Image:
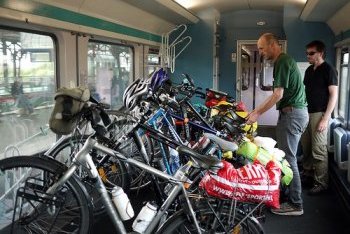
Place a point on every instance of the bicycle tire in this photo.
(181, 223)
(123, 123)
(27, 178)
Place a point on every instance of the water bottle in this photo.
(181, 174)
(122, 203)
(145, 217)
(174, 160)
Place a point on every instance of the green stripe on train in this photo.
(45, 10)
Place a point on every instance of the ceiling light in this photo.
(261, 23)
(185, 3)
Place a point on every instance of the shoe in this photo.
(317, 189)
(287, 208)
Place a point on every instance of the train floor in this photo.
(323, 214)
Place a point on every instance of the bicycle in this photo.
(47, 191)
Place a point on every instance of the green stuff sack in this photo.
(68, 103)
(287, 171)
(253, 152)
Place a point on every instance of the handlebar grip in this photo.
(93, 100)
(174, 105)
(189, 79)
(200, 94)
(104, 105)
(100, 104)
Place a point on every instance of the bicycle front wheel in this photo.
(25, 207)
(113, 172)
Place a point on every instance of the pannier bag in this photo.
(68, 103)
(250, 183)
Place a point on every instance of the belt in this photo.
(287, 109)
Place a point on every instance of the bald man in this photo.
(290, 99)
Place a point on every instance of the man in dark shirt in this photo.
(321, 93)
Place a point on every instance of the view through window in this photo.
(27, 86)
(110, 71)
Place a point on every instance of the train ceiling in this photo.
(310, 10)
(159, 16)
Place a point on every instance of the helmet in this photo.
(157, 79)
(133, 93)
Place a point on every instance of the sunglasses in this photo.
(311, 53)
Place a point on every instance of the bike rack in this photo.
(167, 51)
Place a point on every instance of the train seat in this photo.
(333, 124)
(341, 139)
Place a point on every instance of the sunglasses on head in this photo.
(311, 53)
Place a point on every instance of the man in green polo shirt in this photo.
(290, 99)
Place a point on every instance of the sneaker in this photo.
(287, 208)
(317, 189)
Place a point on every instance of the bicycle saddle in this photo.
(204, 161)
(225, 145)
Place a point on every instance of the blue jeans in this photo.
(290, 127)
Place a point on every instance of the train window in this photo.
(343, 83)
(110, 70)
(266, 76)
(245, 70)
(152, 60)
(27, 85)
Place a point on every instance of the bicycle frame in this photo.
(83, 158)
(164, 115)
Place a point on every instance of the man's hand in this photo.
(252, 117)
(322, 125)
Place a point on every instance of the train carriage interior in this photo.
(192, 59)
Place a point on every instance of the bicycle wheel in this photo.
(112, 172)
(122, 125)
(25, 207)
(180, 222)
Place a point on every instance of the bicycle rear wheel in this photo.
(25, 207)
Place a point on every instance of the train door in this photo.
(254, 79)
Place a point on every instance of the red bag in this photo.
(250, 183)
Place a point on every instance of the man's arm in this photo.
(333, 95)
(266, 105)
